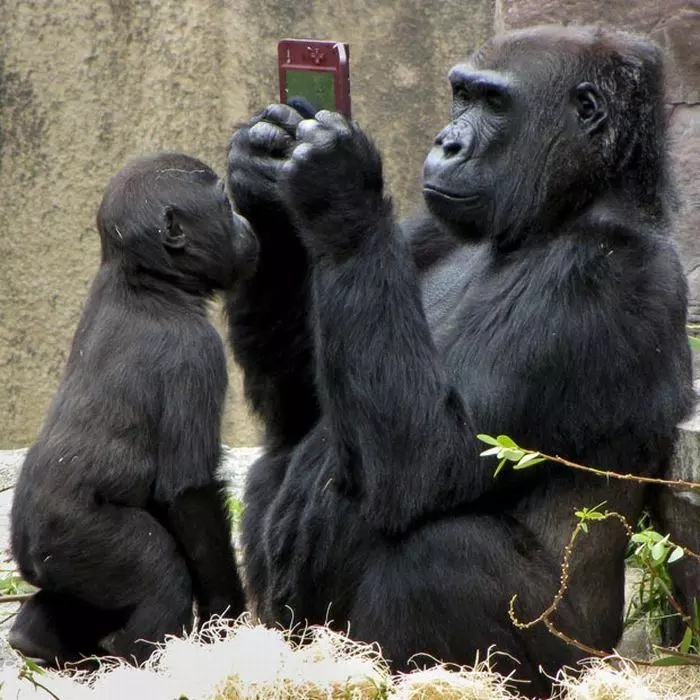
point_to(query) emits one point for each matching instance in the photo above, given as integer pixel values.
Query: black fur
(540, 296)
(118, 515)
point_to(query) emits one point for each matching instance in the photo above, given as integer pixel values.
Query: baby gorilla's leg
(57, 628)
(126, 582)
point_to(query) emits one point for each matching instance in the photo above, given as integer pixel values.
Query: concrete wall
(85, 85)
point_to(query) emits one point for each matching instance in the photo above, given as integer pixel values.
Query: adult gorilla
(540, 297)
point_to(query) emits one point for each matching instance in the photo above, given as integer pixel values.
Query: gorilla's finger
(301, 152)
(313, 132)
(269, 137)
(284, 116)
(303, 106)
(333, 120)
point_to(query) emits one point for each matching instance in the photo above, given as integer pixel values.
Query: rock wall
(86, 85)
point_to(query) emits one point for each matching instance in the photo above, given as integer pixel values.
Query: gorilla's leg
(52, 626)
(443, 590)
(120, 560)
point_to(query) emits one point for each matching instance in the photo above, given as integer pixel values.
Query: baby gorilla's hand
(333, 184)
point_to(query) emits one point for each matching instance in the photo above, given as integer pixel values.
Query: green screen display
(316, 86)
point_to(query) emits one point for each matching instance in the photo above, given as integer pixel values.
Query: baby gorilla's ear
(172, 235)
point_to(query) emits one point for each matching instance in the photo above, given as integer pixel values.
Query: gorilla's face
(524, 141)
(235, 245)
(168, 216)
(461, 169)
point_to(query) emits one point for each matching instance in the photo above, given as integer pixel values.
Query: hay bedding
(254, 663)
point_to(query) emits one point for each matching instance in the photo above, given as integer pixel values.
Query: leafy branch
(654, 550)
(507, 450)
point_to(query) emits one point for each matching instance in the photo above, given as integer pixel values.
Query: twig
(574, 642)
(29, 675)
(544, 617)
(17, 598)
(616, 475)
(692, 659)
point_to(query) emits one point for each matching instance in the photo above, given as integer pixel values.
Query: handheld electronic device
(315, 71)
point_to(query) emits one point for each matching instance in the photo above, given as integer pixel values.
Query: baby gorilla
(118, 516)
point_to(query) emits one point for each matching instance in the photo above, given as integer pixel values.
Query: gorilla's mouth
(430, 190)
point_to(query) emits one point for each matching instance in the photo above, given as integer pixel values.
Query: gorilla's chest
(493, 322)
(446, 288)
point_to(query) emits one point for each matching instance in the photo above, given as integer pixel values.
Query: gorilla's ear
(172, 235)
(591, 107)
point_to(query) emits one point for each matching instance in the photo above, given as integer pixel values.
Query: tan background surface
(85, 85)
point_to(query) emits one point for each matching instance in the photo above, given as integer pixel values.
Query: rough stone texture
(675, 24)
(86, 85)
(685, 150)
(680, 511)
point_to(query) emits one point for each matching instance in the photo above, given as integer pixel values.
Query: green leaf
(584, 526)
(658, 551)
(487, 439)
(512, 455)
(505, 441)
(694, 342)
(491, 451)
(684, 646)
(676, 554)
(670, 661)
(529, 460)
(33, 666)
(500, 466)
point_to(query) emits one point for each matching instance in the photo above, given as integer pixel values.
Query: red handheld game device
(316, 71)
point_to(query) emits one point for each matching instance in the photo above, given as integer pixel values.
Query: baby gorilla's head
(168, 217)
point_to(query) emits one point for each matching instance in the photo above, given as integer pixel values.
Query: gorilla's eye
(586, 107)
(494, 98)
(590, 104)
(462, 93)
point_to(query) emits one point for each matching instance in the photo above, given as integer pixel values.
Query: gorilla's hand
(256, 157)
(334, 184)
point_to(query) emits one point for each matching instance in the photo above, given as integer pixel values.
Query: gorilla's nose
(453, 143)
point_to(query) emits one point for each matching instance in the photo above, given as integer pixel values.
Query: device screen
(318, 87)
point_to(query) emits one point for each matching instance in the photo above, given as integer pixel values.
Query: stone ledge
(236, 460)
(234, 465)
(686, 459)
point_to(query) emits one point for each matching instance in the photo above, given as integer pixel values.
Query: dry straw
(620, 679)
(241, 661)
